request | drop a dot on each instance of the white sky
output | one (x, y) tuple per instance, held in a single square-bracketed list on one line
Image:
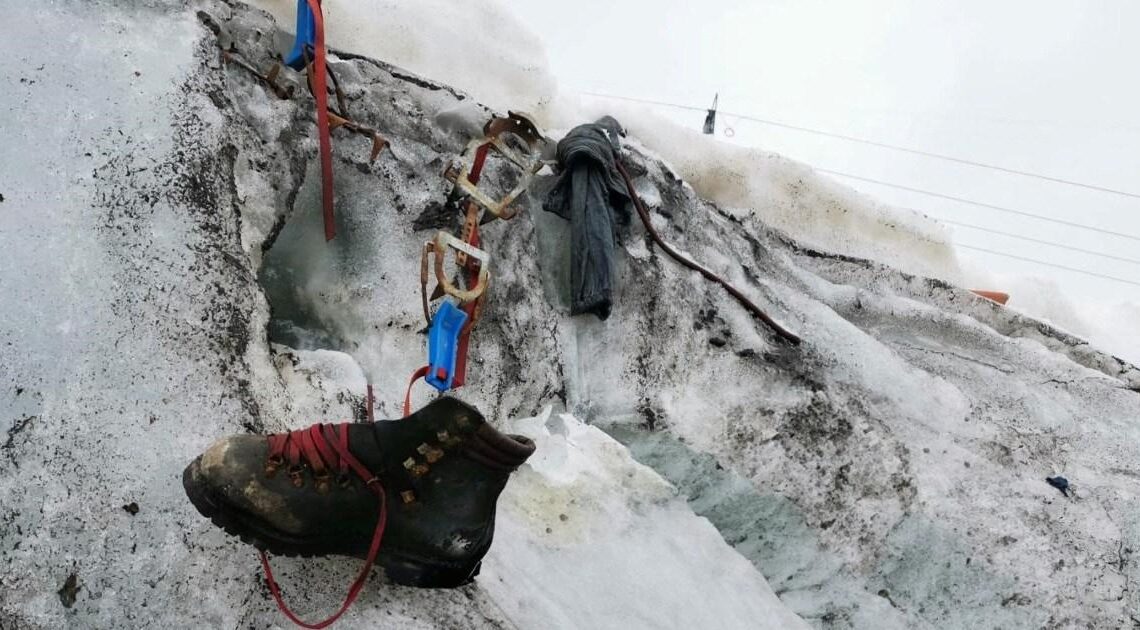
[(1049, 87)]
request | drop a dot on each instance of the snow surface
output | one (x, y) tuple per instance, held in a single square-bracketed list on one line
[(583, 523), (887, 473), (475, 46), (1108, 325)]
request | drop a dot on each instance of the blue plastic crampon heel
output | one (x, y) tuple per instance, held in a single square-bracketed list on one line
[(443, 345), (306, 37)]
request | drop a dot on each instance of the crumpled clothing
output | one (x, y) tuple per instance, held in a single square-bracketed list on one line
[(591, 195)]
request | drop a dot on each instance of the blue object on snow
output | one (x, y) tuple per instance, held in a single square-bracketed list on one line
[(306, 37), (443, 345), (1059, 483)]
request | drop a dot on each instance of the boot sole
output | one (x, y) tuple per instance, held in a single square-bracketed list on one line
[(400, 568)]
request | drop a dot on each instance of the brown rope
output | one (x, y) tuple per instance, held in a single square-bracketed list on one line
[(704, 271)]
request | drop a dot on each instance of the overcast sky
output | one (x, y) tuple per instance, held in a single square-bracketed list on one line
[(1049, 87)]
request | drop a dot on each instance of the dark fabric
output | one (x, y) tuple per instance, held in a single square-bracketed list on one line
[(591, 196), (1059, 483)]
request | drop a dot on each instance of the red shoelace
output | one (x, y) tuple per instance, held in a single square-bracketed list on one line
[(323, 448)]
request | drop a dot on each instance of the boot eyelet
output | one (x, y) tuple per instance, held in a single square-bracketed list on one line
[(322, 482), (343, 480), (272, 464), (295, 476), (433, 455)]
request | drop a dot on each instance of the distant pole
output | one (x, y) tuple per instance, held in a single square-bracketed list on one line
[(710, 118)]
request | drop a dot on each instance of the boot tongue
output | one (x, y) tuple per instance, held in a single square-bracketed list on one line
[(369, 445)]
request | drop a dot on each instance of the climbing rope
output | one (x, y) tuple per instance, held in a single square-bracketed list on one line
[(695, 266)]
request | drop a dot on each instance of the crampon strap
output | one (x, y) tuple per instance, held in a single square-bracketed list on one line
[(324, 447), (470, 309), (417, 375), (472, 277), (471, 274), (321, 95)]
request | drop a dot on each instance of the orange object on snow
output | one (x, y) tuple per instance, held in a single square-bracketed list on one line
[(996, 296)]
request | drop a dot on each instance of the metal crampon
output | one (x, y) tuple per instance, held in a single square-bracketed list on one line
[(449, 330), (495, 134), (435, 251)]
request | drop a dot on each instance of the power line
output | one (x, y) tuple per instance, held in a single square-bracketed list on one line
[(652, 102), (978, 203), (1049, 264), (1043, 242), (1026, 238), (883, 145)]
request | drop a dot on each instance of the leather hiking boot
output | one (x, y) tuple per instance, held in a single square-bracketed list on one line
[(426, 484)]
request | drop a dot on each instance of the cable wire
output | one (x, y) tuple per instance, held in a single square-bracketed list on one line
[(1049, 264), (883, 145), (1037, 240), (978, 203)]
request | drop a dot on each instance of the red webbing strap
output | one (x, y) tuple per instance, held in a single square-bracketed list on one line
[(477, 164), (327, 439), (320, 93), (460, 376), (470, 308), (417, 375)]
